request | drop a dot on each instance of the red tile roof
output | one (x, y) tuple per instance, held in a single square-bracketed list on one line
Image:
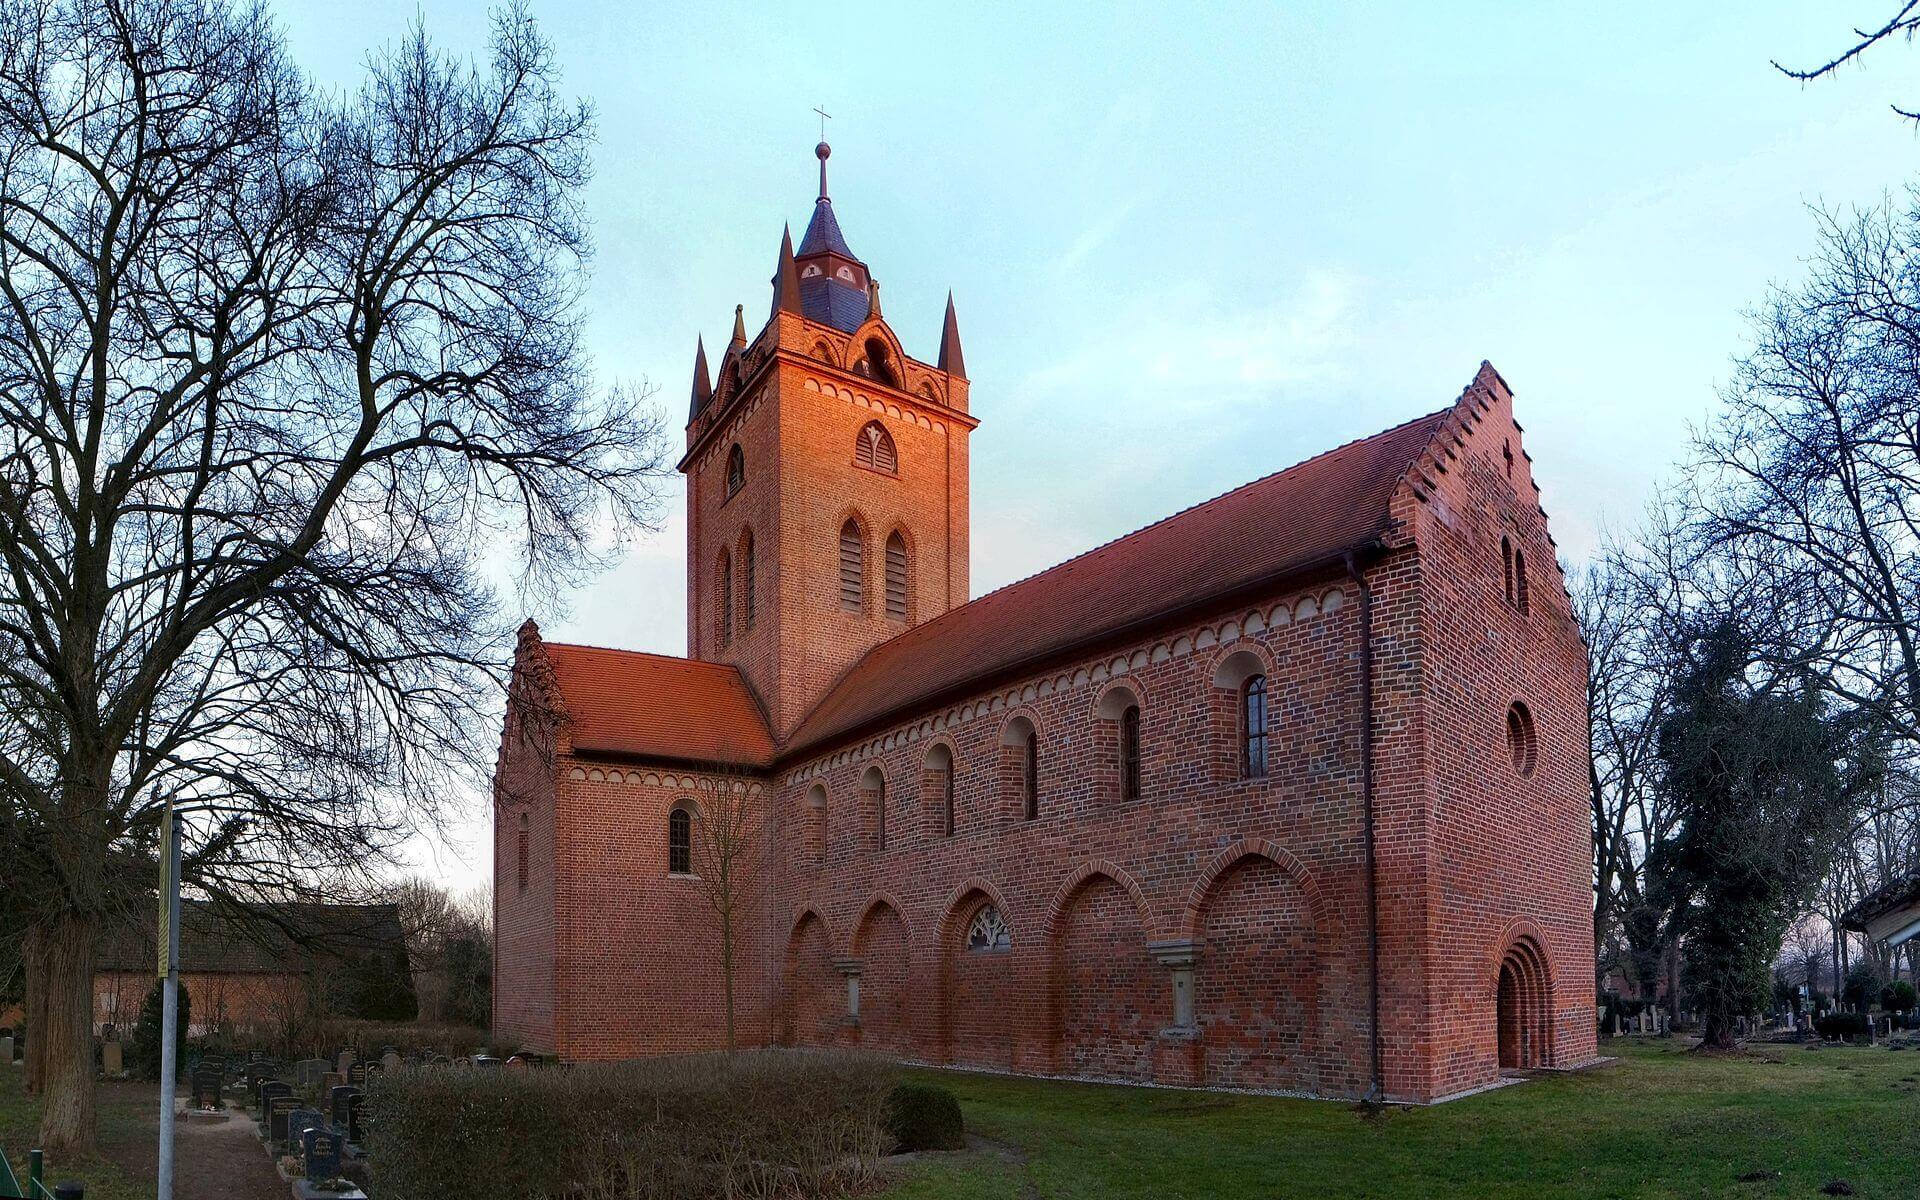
[(1308, 514), (625, 702)]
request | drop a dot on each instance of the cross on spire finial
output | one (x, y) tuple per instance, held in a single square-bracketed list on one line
[(823, 150), (824, 115)]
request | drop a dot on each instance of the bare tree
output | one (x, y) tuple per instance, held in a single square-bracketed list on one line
[(726, 834), (283, 377), (1904, 23)]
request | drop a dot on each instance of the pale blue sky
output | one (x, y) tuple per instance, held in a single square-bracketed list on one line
[(1188, 249)]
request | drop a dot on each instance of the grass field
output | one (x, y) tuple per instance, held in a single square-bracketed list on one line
[(19, 1125), (1662, 1122)]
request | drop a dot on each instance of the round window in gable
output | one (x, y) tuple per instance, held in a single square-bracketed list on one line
[(1522, 744)]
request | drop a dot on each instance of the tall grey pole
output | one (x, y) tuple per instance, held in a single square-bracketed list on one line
[(170, 991)]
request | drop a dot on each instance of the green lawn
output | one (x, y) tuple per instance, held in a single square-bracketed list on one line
[(1662, 1122), (19, 1126)]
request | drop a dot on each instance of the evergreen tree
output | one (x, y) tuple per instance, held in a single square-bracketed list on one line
[(144, 1056)]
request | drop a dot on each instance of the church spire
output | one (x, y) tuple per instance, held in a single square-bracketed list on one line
[(739, 327), (951, 360), (702, 384), (786, 277)]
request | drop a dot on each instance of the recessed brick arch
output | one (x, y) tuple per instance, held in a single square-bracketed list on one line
[(1258, 916), (1520, 982), (1105, 709), (883, 944), (811, 1000), (1106, 997), (980, 1001)]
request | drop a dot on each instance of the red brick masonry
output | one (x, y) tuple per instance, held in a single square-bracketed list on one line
[(1214, 930)]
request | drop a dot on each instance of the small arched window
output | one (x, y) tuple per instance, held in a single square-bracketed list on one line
[(1253, 727), (987, 933), (853, 567), (896, 576), (1030, 774), (747, 601), (1520, 581), (520, 851), (874, 449), (736, 470), (1506, 569), (816, 825), (726, 599), (679, 842), (936, 783), (1130, 753), (873, 789), (1522, 742)]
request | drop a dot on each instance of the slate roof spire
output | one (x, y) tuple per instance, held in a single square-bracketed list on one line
[(702, 383), (951, 360), (739, 327)]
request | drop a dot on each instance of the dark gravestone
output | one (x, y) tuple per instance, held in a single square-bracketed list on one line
[(485, 1060), (298, 1122), (320, 1155), (357, 1074), (279, 1109), (205, 1084), (355, 1133), (270, 1089), (337, 1100)]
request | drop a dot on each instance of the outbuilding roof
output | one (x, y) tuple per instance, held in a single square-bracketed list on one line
[(633, 704)]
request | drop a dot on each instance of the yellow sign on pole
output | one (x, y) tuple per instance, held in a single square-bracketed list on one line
[(166, 884)]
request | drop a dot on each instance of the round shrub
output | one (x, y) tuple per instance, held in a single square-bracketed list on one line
[(924, 1118), (1847, 1025), (1898, 996)]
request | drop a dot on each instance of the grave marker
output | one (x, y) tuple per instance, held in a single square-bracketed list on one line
[(337, 1101), (270, 1090), (354, 1130), (112, 1058), (204, 1087), (281, 1107), (320, 1155), (298, 1122)]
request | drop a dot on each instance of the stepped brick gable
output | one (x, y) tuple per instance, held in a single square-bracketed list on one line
[(1285, 791)]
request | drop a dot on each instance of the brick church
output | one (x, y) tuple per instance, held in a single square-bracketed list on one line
[(1286, 791)]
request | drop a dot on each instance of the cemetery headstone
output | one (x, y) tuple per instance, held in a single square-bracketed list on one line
[(271, 1090), (278, 1110), (320, 1154), (390, 1060), (112, 1058), (205, 1085), (307, 1072), (6, 1049), (337, 1101), (354, 1130), (330, 1081), (357, 1074), (516, 1063), (485, 1060), (344, 1064), (298, 1122)]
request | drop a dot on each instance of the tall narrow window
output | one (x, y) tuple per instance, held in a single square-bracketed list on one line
[(1030, 774), (873, 793), (874, 449), (896, 576), (736, 470), (1520, 581), (853, 567), (521, 851), (746, 581), (726, 599), (1130, 753), (946, 796), (1253, 727), (680, 842), (1506, 569)]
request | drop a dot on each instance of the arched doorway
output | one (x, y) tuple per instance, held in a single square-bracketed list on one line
[(1520, 1008)]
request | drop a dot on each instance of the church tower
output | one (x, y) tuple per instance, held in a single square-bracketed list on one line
[(826, 475)]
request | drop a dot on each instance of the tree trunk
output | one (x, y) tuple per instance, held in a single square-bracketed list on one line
[(65, 1036), (33, 955), (1716, 1028)]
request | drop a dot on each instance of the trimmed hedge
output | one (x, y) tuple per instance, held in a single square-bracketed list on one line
[(925, 1118), (760, 1124), (1842, 1025)]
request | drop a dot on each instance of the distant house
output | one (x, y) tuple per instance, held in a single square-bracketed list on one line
[(1889, 914), (254, 968)]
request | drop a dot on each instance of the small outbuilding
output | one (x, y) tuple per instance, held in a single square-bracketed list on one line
[(1889, 914)]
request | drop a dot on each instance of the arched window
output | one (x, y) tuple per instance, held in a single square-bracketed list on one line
[(1253, 727), (1520, 581), (1030, 775), (521, 850), (679, 842), (853, 567), (746, 580), (873, 793), (1130, 753), (817, 823), (987, 933), (736, 470), (896, 576), (1506, 569), (874, 449), (726, 599), (936, 785)]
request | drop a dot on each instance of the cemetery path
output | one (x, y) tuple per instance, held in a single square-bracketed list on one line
[(215, 1158)]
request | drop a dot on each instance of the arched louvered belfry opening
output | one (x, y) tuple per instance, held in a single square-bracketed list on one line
[(874, 449), (853, 567), (899, 579)]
